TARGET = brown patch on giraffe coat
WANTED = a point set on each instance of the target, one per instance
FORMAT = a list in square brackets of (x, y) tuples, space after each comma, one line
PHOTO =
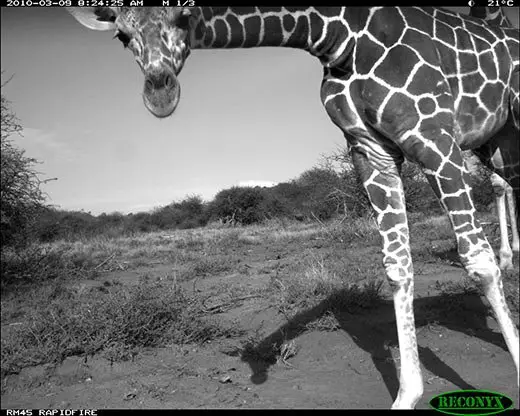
[(330, 88), (466, 228), (471, 83), (445, 32), (252, 29), (445, 101), (454, 203), (237, 38), (463, 38), (402, 253), (338, 109), (474, 238), (221, 34), (492, 95), (368, 96), (426, 80), (431, 129), (468, 62), (386, 25), (265, 9), (487, 65), (288, 22), (273, 34), (447, 17), (329, 11), (462, 218), (299, 35), (393, 246), (317, 25), (483, 32), (397, 65), (447, 59), (414, 146), (402, 108), (420, 20), (337, 32), (207, 13), (241, 11), (209, 36), (427, 106), (423, 46), (367, 54)]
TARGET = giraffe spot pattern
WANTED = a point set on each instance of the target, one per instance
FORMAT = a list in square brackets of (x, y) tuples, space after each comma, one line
[(273, 33), (403, 107), (487, 64), (364, 62), (238, 38), (386, 26), (288, 22), (417, 41), (252, 28), (397, 66), (427, 106)]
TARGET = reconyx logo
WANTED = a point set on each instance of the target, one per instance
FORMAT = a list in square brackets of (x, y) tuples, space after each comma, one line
[(471, 402)]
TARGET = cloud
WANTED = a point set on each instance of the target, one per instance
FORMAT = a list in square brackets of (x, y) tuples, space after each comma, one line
[(42, 142)]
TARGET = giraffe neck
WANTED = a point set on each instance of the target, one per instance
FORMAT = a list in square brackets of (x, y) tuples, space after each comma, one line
[(492, 15), (293, 27)]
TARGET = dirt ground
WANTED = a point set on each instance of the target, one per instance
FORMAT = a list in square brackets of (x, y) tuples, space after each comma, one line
[(352, 367)]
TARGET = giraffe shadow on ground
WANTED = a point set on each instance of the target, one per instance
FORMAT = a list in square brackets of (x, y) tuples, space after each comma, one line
[(374, 331)]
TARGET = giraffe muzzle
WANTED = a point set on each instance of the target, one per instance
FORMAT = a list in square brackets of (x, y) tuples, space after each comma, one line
[(161, 92)]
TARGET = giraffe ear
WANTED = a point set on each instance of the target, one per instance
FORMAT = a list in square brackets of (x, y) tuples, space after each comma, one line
[(95, 18), (186, 11)]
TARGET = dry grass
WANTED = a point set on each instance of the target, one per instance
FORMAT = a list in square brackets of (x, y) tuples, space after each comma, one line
[(304, 265), (117, 321)]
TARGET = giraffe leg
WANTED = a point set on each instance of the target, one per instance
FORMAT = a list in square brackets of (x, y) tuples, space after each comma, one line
[(502, 155), (506, 254), (385, 191), (512, 216), (449, 179)]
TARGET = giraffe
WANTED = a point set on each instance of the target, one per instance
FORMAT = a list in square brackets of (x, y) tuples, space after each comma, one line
[(504, 199), (399, 82)]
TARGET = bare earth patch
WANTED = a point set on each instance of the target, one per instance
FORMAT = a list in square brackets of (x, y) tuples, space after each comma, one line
[(299, 320)]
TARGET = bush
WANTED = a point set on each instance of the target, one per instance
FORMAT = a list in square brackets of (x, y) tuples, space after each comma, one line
[(20, 193), (244, 205)]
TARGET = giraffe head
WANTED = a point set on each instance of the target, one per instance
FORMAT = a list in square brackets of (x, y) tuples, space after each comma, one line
[(159, 39)]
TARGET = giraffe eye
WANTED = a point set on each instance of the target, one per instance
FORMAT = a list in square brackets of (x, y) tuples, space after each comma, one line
[(123, 37)]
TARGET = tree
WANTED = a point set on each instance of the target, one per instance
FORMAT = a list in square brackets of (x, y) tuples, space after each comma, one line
[(20, 193), (241, 204)]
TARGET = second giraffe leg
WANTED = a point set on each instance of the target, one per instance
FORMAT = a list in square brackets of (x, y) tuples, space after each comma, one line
[(499, 189), (385, 191), (444, 167), (515, 244)]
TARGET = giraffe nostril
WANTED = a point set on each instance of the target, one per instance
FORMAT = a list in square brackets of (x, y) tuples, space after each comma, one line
[(148, 85), (168, 82)]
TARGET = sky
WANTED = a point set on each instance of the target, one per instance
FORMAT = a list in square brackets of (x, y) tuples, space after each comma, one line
[(246, 116)]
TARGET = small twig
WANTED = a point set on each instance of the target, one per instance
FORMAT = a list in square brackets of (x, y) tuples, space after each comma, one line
[(228, 305), (104, 261)]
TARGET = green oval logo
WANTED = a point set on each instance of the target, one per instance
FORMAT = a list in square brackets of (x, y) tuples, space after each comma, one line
[(471, 402)]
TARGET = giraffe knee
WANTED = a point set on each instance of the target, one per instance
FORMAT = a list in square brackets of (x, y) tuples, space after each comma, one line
[(484, 271), (398, 276)]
